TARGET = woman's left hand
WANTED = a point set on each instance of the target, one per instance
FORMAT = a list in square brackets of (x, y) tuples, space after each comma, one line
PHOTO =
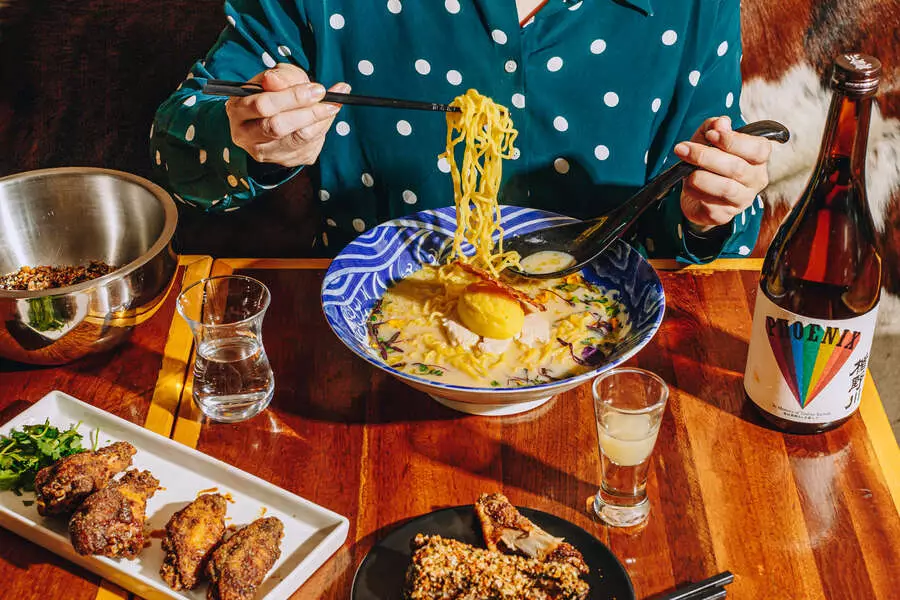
[(732, 172)]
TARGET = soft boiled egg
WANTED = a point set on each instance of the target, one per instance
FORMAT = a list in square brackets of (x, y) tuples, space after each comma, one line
[(490, 312)]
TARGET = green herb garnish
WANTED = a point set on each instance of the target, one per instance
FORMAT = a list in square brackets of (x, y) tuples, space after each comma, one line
[(28, 450), (42, 316)]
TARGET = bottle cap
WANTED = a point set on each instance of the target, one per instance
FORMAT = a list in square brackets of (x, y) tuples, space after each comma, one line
[(856, 74)]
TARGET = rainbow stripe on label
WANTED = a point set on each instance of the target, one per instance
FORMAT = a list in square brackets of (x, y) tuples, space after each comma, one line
[(809, 355)]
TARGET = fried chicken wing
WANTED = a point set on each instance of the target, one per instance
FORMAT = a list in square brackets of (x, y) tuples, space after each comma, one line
[(65, 484), (111, 521), (191, 535), (444, 568), (240, 564), (505, 529)]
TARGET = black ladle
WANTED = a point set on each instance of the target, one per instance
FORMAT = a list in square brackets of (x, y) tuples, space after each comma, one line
[(586, 240)]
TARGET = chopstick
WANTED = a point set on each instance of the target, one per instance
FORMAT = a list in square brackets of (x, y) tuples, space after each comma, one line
[(711, 588), (221, 87)]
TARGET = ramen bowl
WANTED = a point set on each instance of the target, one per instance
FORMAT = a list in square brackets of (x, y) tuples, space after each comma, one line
[(71, 216), (362, 272)]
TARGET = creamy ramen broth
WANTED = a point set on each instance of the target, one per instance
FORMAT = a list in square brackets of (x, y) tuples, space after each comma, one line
[(546, 261), (416, 328)]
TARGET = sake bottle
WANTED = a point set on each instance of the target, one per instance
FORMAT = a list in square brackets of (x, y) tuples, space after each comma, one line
[(821, 280)]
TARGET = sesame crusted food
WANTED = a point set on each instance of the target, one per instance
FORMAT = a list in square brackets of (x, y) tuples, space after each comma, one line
[(446, 569), (34, 279)]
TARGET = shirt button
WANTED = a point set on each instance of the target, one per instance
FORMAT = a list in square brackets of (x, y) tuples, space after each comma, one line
[(510, 66)]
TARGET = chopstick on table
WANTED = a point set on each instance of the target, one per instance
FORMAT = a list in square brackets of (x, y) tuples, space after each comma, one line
[(711, 588), (221, 87)]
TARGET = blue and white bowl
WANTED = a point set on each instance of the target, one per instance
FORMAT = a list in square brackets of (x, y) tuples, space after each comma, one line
[(361, 273)]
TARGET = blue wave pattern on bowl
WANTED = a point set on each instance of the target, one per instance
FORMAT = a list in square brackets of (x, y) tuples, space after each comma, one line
[(361, 273)]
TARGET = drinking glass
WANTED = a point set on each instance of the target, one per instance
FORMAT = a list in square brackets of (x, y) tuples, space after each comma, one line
[(628, 406), (233, 380)]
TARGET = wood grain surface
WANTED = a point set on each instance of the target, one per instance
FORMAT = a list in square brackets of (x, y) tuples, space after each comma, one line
[(140, 381), (791, 516)]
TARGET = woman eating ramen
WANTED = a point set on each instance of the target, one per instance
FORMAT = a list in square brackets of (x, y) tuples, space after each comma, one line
[(604, 94)]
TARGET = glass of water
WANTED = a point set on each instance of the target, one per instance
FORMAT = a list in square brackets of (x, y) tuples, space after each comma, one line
[(233, 380), (629, 406)]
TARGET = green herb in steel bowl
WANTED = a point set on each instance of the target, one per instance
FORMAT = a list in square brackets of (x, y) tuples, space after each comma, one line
[(27, 450)]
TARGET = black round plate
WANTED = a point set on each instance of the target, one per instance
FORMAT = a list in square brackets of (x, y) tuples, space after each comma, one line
[(382, 573)]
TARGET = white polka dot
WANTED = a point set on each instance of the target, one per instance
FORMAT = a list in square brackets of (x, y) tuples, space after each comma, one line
[(510, 66), (190, 101), (646, 156), (409, 197), (423, 67), (324, 238), (403, 127), (650, 245), (151, 130), (669, 37), (680, 232), (359, 225), (394, 6), (729, 100), (226, 155), (217, 200), (554, 64), (158, 158), (560, 124), (330, 222), (744, 218), (759, 201), (598, 46), (324, 195), (189, 134), (442, 165), (232, 181), (452, 6), (336, 21), (498, 36), (610, 98), (575, 6), (518, 100), (694, 78), (561, 165), (231, 20), (268, 60), (231, 209), (284, 51), (722, 49), (743, 250), (516, 153), (366, 67), (454, 77), (654, 106), (202, 157), (601, 152), (342, 128), (367, 180)]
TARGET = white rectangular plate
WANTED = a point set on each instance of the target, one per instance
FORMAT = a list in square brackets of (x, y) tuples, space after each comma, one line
[(311, 533)]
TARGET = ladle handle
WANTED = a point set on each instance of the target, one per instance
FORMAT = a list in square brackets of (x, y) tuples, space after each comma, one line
[(657, 188)]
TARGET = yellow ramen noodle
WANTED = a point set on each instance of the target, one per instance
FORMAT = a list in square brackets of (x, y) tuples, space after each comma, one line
[(415, 328), (565, 326), (486, 130)]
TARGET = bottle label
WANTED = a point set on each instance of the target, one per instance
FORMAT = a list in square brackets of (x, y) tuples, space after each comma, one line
[(807, 370)]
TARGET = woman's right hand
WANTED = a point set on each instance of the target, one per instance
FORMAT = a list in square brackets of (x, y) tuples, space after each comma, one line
[(285, 124)]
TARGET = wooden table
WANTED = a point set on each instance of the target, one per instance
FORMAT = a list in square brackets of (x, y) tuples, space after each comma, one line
[(791, 516)]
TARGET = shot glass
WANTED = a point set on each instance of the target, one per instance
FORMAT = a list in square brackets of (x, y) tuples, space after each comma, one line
[(233, 380), (628, 406)]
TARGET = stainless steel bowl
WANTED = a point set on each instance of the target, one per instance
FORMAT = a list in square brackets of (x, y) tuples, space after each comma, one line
[(71, 216)]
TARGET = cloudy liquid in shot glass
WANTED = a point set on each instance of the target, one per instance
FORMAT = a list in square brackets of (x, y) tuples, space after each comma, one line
[(626, 442)]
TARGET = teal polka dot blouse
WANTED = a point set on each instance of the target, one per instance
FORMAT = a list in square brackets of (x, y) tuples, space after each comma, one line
[(600, 92)]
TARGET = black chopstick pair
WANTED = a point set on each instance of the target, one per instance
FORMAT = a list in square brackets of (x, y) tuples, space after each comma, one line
[(711, 588), (221, 87)]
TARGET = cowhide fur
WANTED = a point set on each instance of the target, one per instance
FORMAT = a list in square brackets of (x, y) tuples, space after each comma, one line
[(789, 46)]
